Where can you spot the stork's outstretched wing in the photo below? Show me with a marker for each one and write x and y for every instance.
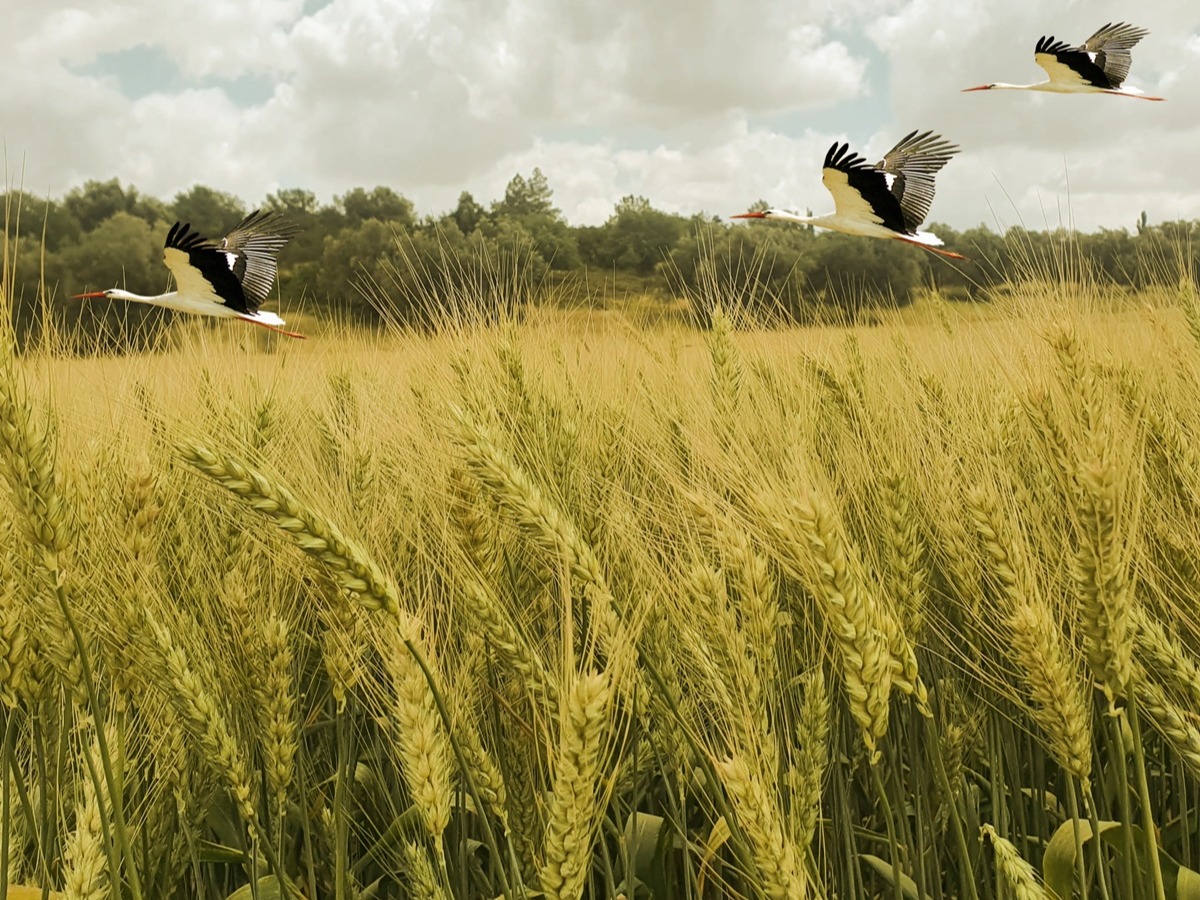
(1102, 61)
(254, 244)
(911, 167)
(236, 271)
(1110, 48)
(1068, 65)
(860, 191)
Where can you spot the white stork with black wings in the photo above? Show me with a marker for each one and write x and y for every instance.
(229, 278)
(887, 200)
(1099, 65)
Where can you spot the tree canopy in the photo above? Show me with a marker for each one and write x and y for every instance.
(367, 256)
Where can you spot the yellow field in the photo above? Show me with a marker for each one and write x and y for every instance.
(574, 608)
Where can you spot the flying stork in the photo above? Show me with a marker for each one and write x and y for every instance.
(887, 200)
(228, 278)
(1098, 66)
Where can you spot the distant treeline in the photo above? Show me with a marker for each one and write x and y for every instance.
(367, 257)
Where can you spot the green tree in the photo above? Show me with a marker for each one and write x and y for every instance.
(1169, 253)
(859, 274)
(526, 207)
(122, 251)
(300, 259)
(553, 239)
(636, 238)
(467, 214)
(1112, 255)
(293, 202)
(38, 217)
(382, 203)
(761, 268)
(210, 212)
(354, 267)
(527, 196)
(98, 201)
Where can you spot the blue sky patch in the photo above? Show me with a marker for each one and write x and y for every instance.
(143, 70)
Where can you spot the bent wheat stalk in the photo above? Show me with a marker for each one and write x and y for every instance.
(349, 566)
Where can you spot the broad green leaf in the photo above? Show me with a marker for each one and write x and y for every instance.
(1187, 884)
(884, 870)
(642, 832)
(1181, 883)
(716, 839)
(268, 889)
(212, 852)
(1058, 865)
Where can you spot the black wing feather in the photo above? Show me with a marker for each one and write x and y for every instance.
(871, 184)
(243, 281)
(207, 258)
(914, 162)
(1112, 44)
(1076, 58)
(256, 241)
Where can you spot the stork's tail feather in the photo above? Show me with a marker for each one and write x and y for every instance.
(271, 322)
(924, 238)
(262, 317)
(1134, 93)
(927, 240)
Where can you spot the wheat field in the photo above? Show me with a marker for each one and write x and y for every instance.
(567, 607)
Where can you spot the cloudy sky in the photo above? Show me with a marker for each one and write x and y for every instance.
(697, 104)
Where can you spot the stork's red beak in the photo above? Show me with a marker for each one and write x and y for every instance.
(91, 295)
(750, 215)
(982, 87)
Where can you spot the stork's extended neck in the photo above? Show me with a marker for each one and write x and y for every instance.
(118, 294)
(1005, 86)
(787, 216)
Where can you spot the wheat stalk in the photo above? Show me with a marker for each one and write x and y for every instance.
(86, 876)
(812, 759)
(486, 608)
(573, 816)
(727, 373)
(278, 735)
(1018, 874)
(1036, 642)
(341, 642)
(813, 549)
(721, 647)
(422, 742)
(1174, 723)
(1165, 656)
(422, 877)
(1102, 571)
(552, 529)
(780, 874)
(15, 652)
(758, 601)
(203, 718)
(27, 449)
(347, 564)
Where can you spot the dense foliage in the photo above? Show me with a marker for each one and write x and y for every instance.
(368, 257)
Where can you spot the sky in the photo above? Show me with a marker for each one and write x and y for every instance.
(699, 105)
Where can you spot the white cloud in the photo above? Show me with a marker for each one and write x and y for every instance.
(671, 100)
(1100, 160)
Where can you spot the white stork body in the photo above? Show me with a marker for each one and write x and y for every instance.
(888, 200)
(226, 279)
(1098, 66)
